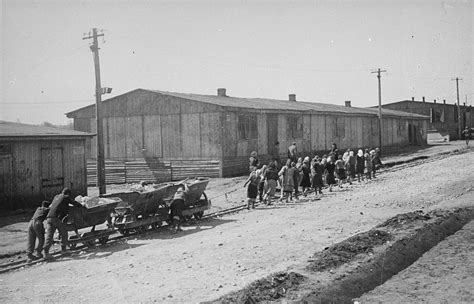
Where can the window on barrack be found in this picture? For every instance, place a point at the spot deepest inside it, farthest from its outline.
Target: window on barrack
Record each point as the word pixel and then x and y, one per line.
pixel 247 126
pixel 294 126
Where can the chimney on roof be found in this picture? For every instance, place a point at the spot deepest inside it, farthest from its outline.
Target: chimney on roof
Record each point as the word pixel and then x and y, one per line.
pixel 435 101
pixel 292 97
pixel 413 99
pixel 221 92
pixel 444 101
pixel 348 103
pixel 423 98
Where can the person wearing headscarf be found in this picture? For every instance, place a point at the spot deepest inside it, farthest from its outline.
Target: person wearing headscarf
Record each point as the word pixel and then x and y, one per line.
pixel 330 170
pixel 351 166
pixel 287 180
pixel 317 171
pixel 360 165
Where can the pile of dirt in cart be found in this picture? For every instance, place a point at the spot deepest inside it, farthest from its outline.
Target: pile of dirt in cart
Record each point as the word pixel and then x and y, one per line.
pixel 348 269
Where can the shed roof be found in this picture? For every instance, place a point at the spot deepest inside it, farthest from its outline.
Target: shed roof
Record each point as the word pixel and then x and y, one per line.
pixel 14 130
pixel 267 104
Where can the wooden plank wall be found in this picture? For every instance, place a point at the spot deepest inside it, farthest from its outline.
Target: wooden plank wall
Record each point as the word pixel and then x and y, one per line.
pixel 27 171
pixel 153 169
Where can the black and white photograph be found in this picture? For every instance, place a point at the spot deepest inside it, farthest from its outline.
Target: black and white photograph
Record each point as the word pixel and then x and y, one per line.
pixel 237 151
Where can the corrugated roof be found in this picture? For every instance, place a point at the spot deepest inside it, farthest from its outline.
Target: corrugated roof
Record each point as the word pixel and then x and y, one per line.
pixel 14 129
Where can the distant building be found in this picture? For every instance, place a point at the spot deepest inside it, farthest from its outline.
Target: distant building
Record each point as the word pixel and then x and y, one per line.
pixel 37 162
pixel 443 116
pixel 169 136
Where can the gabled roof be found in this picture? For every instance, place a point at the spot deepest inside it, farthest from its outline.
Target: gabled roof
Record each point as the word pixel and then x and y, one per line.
pixel 14 130
pixel 265 104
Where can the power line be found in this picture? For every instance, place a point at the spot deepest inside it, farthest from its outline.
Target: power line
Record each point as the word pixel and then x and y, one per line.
pixel 46 102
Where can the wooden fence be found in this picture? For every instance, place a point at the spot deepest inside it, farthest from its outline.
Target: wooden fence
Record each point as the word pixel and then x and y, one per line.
pixel 154 170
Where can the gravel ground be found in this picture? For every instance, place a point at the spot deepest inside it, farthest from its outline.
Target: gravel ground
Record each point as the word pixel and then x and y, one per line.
pixel 220 255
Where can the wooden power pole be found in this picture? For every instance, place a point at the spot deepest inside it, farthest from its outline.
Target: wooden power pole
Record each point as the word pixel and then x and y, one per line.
pixel 379 76
pixel 459 107
pixel 98 100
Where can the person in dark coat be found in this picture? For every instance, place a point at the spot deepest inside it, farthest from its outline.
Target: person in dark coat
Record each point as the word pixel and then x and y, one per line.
pixel 306 180
pixel 317 171
pixel 56 219
pixel 330 170
pixel 36 231
pixel 252 190
pixel 177 206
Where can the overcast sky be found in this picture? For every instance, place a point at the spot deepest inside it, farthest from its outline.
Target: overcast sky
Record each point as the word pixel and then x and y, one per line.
pixel 322 51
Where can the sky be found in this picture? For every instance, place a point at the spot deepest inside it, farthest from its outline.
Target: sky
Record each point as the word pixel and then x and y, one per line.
pixel 322 51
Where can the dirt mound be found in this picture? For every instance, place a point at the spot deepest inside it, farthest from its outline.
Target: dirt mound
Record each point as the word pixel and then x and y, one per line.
pixel 405 218
pixel 270 288
pixel 346 250
pixel 410 235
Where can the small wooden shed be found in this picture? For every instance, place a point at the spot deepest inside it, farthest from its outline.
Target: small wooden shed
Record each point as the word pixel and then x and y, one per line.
pixel 168 136
pixel 36 162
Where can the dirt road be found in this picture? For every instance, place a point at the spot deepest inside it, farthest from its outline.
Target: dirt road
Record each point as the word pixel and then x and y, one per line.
pixel 221 255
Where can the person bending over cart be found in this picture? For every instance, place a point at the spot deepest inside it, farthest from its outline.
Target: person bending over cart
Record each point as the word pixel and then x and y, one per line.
pixel 36 231
pixel 56 218
pixel 177 207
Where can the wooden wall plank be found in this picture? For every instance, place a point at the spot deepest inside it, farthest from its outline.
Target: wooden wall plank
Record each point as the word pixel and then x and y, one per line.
pixel 134 137
pixel 229 140
pixel 171 136
pixel 152 136
pixel 262 134
pixel 211 134
pixel 307 143
pixel 191 134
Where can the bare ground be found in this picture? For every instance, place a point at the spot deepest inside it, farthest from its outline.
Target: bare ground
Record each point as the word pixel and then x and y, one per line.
pixel 222 255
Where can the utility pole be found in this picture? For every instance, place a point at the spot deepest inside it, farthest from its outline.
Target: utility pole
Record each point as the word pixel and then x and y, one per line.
pixel 379 76
pixel 98 100
pixel 459 107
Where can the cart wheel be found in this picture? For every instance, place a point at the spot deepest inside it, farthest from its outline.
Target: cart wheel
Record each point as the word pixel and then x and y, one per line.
pixel 157 225
pixel 103 240
pixel 141 229
pixel 90 243
pixel 198 215
pixel 124 232
pixel 72 246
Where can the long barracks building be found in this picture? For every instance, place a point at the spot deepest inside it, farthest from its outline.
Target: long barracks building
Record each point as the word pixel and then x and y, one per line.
pixel 163 136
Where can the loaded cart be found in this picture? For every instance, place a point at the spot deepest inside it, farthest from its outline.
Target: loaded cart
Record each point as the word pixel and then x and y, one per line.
pixel 196 201
pixel 98 211
pixel 150 207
